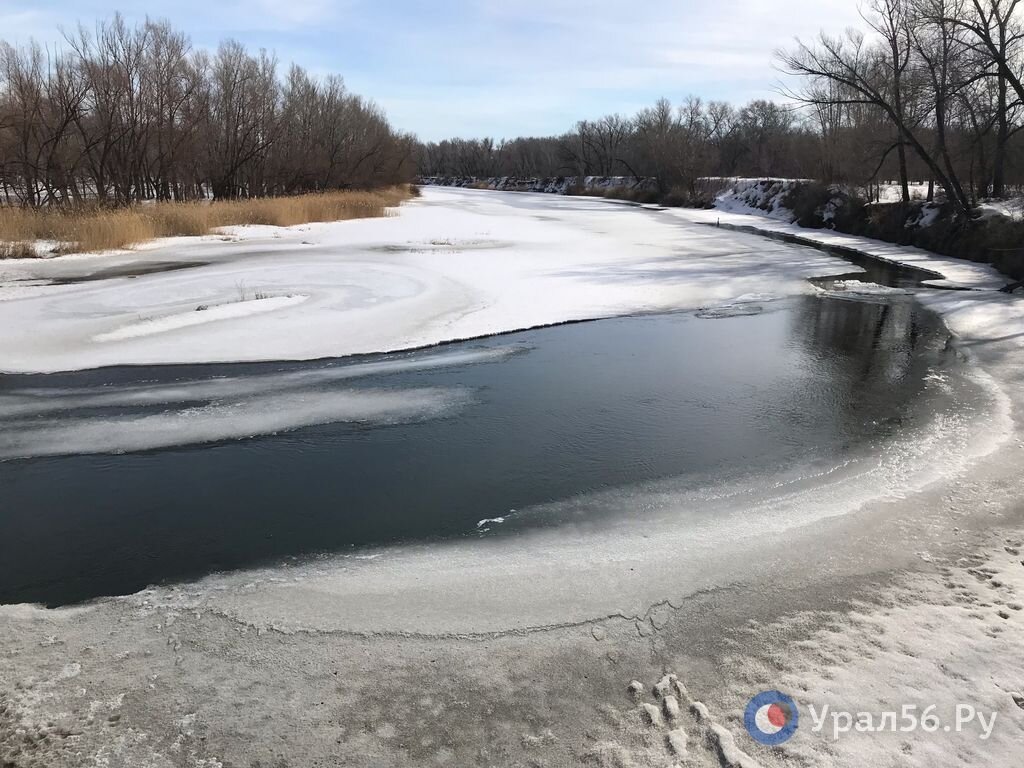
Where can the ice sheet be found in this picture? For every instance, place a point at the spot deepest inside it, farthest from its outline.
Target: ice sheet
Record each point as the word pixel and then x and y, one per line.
pixel 456 264
pixel 47 421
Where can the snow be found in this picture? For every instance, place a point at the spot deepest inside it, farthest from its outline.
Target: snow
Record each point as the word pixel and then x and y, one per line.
pixel 456 264
pixel 944 639
pixel 928 215
pixel 1012 208
pixel 758 196
pixel 955 273
pixel 199 316
pixel 893 193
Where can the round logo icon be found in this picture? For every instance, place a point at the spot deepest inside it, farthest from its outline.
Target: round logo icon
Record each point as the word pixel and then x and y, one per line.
pixel 771 718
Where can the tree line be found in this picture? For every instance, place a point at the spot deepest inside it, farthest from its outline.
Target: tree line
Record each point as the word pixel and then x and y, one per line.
pixel 122 114
pixel 943 78
pixel 928 90
pixel 673 145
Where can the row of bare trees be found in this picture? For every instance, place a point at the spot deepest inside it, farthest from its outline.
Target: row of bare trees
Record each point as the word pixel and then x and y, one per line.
pixel 928 90
pixel 941 78
pixel 121 114
pixel 674 145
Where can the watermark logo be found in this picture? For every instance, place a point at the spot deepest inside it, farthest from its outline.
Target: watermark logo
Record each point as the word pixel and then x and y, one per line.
pixel 771 718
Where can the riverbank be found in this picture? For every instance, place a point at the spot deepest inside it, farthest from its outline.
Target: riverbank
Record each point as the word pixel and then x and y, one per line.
pixel 27 233
pixel 522 650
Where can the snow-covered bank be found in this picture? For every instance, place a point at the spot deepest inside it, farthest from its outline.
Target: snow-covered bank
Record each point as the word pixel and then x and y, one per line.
pixel 456 264
pixel 560 185
pixel 956 273
pixel 992 237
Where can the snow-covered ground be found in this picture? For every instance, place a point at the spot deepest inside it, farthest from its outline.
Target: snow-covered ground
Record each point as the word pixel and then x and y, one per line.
pixel 955 273
pixel 454 265
pixel 893 193
pixel 865 587
pixel 1012 208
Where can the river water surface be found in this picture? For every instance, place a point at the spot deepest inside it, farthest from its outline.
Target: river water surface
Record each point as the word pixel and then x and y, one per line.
pixel 119 478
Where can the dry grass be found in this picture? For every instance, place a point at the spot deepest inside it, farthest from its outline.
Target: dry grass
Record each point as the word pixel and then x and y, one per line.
pixel 17 250
pixel 99 229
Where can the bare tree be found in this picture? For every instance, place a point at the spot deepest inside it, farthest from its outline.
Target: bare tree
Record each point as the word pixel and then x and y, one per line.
pixel 124 113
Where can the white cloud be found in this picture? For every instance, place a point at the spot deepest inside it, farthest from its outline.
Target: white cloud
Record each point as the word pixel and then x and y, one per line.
pixel 467 67
pixel 523 67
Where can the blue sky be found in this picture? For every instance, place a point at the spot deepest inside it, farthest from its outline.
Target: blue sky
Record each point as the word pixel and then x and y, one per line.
pixel 477 67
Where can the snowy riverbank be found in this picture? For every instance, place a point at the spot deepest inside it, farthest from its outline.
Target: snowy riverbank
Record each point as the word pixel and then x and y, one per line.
pixel 875 585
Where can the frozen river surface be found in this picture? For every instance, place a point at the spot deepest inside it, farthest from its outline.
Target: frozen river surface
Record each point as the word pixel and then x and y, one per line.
pixel 123 477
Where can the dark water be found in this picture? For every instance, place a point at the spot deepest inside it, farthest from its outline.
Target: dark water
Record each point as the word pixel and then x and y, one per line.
pixel 585 407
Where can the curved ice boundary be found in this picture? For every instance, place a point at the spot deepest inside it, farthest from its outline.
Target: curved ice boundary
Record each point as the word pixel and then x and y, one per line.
pixel 617 552
pixel 45 421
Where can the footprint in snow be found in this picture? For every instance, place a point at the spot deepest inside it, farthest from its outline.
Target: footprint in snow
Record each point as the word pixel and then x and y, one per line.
pixel 688 730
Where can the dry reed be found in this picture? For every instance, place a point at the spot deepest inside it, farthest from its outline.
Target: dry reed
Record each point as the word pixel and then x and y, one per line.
pixel 100 229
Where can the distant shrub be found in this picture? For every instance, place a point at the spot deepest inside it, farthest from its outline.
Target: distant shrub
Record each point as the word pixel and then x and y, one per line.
pixel 684 197
pixel 631 194
pixel 998 241
pixel 622 193
pixel 888 221
pixel 807 202
pixel 818 206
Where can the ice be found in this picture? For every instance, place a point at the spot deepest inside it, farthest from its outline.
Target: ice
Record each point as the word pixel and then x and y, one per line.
pixel 872 289
pixel 456 264
pixel 39 400
pixel 200 315
pixel 856 290
pixel 59 421
pixel 953 273
pixel 745 305
pixel 224 421
pixel 674 541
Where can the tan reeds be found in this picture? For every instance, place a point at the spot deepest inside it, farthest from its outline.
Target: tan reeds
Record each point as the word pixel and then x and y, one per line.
pixel 99 229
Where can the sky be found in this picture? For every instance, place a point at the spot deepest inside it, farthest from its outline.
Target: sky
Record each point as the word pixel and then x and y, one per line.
pixel 500 68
